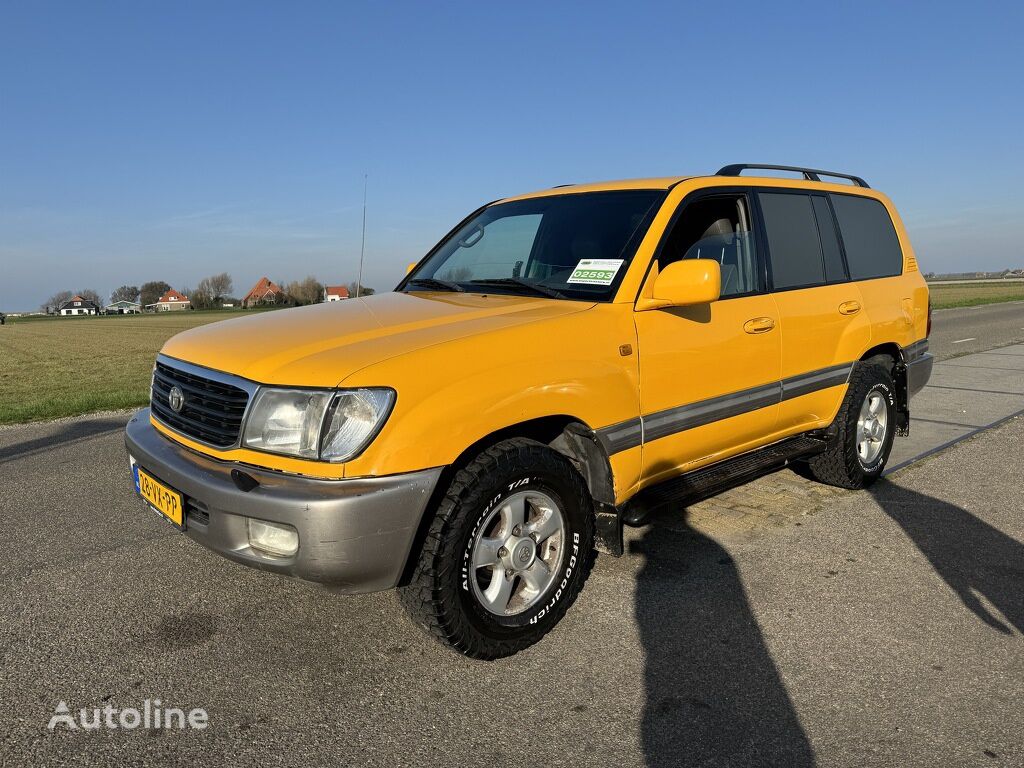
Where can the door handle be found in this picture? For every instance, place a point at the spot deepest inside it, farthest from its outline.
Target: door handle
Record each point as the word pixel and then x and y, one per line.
pixel 849 308
pixel 759 325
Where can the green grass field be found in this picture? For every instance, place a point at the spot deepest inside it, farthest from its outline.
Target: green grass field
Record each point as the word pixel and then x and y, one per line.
pixel 52 367
pixel 967 295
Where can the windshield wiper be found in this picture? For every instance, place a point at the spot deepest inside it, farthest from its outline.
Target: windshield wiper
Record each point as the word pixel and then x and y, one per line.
pixel 509 282
pixel 441 285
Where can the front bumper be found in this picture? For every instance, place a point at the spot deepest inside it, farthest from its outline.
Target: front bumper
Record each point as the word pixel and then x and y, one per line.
pixel 354 535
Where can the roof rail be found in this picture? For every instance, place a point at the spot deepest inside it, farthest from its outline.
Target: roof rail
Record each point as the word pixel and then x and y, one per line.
pixel 810 174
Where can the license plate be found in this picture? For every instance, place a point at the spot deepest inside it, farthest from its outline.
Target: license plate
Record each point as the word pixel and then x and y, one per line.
pixel 165 500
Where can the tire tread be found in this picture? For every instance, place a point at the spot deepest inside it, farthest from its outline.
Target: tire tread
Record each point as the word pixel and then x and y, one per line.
pixel 838 464
pixel 436 609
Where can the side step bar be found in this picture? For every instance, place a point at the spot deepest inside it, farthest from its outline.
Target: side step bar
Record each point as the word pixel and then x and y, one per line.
pixel 708 481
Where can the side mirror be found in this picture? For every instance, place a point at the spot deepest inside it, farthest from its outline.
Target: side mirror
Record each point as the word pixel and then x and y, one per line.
pixel 685 283
pixel 410 268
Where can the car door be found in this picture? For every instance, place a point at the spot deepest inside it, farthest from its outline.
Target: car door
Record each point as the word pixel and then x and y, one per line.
pixel 824 327
pixel 709 373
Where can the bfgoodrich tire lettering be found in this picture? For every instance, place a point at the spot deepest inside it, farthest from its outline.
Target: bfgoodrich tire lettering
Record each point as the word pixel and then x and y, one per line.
pixel 842 464
pixel 441 595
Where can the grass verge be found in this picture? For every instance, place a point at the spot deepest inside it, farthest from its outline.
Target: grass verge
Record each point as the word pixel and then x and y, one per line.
pixel 56 367
pixel 950 296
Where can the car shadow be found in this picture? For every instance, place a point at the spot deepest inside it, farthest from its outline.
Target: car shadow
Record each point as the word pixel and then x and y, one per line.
pixel 713 693
pixel 978 561
pixel 69 434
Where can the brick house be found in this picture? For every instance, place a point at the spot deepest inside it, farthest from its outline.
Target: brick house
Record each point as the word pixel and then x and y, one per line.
pixel 264 292
pixel 171 301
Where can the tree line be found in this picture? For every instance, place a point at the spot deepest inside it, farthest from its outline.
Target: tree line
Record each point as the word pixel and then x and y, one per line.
pixel 209 293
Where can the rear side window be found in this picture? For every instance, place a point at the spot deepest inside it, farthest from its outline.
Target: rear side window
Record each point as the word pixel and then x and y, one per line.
pixel 793 243
pixel 872 248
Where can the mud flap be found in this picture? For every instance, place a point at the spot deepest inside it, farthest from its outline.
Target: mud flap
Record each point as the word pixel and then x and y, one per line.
pixel 607 529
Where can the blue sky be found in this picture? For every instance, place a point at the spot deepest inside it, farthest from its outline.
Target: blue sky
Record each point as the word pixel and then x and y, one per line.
pixel 147 140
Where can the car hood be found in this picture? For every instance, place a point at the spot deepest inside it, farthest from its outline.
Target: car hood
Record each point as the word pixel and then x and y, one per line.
pixel 321 345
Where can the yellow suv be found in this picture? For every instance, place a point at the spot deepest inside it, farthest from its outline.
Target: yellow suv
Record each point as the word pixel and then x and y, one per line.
pixel 560 363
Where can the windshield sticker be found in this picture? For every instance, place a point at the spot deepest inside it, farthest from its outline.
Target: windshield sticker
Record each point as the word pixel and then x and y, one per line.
pixel 595 271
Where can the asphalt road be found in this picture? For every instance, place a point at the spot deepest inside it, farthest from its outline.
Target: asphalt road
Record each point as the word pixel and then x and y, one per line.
pixel 957 332
pixel 880 628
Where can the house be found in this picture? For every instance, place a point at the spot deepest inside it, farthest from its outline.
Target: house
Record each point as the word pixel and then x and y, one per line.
pixel 123 307
pixel 76 305
pixel 335 292
pixel 264 292
pixel 171 301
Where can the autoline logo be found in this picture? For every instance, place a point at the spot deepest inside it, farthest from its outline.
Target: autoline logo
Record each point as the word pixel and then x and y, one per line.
pixel 151 715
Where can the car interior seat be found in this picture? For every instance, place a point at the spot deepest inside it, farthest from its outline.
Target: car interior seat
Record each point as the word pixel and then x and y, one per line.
pixel 720 242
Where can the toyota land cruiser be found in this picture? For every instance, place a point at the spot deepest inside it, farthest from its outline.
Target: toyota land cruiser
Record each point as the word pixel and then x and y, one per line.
pixel 557 365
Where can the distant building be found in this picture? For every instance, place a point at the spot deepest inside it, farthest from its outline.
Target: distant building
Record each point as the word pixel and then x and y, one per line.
pixel 76 305
pixel 335 292
pixel 123 308
pixel 171 301
pixel 264 292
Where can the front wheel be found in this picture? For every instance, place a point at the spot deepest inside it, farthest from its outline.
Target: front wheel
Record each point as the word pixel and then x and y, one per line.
pixel 507 553
pixel 864 431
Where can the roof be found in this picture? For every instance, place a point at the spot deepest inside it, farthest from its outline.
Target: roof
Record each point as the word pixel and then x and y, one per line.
pixel 262 288
pixel 336 290
pixel 661 182
pixel 720 178
pixel 172 297
pixel 122 302
pixel 79 299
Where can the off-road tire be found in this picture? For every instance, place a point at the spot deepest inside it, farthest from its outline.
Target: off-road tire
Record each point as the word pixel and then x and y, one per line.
pixel 437 596
pixel 840 464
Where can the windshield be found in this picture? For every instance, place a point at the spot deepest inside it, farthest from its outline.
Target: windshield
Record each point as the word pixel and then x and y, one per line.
pixel 573 246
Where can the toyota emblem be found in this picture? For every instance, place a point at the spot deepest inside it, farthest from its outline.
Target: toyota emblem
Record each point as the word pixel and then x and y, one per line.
pixel 176 399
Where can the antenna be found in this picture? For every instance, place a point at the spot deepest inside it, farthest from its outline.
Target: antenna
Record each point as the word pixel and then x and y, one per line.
pixel 362 246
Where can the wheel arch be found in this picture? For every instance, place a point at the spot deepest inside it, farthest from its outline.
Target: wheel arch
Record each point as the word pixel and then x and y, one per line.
pixel 569 436
pixel 890 354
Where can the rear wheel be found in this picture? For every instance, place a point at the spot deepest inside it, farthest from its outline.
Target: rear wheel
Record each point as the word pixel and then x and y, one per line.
pixel 864 431
pixel 507 553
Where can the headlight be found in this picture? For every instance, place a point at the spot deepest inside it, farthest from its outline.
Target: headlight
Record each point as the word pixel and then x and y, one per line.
pixel 355 418
pixel 314 424
pixel 287 421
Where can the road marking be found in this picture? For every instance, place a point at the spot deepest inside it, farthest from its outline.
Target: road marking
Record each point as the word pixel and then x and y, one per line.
pixel 961 341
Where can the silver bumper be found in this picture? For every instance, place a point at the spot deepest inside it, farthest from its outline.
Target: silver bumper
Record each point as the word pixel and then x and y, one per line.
pixel 355 535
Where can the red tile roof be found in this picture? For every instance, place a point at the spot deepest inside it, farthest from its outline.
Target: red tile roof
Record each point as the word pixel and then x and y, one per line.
pixel 261 289
pixel 178 296
pixel 336 290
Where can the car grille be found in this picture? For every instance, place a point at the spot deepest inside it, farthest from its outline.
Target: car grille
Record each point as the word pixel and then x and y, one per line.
pixel 212 412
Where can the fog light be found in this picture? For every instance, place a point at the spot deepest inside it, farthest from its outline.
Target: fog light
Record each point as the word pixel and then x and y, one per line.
pixel 274 539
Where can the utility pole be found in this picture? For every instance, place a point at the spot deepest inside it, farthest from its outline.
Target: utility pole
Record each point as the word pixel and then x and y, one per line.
pixel 362 247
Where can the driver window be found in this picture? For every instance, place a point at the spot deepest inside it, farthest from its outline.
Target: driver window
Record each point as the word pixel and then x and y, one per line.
pixel 716 228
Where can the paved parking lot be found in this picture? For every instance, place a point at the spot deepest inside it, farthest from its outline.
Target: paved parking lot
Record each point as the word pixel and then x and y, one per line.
pixel 780 624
